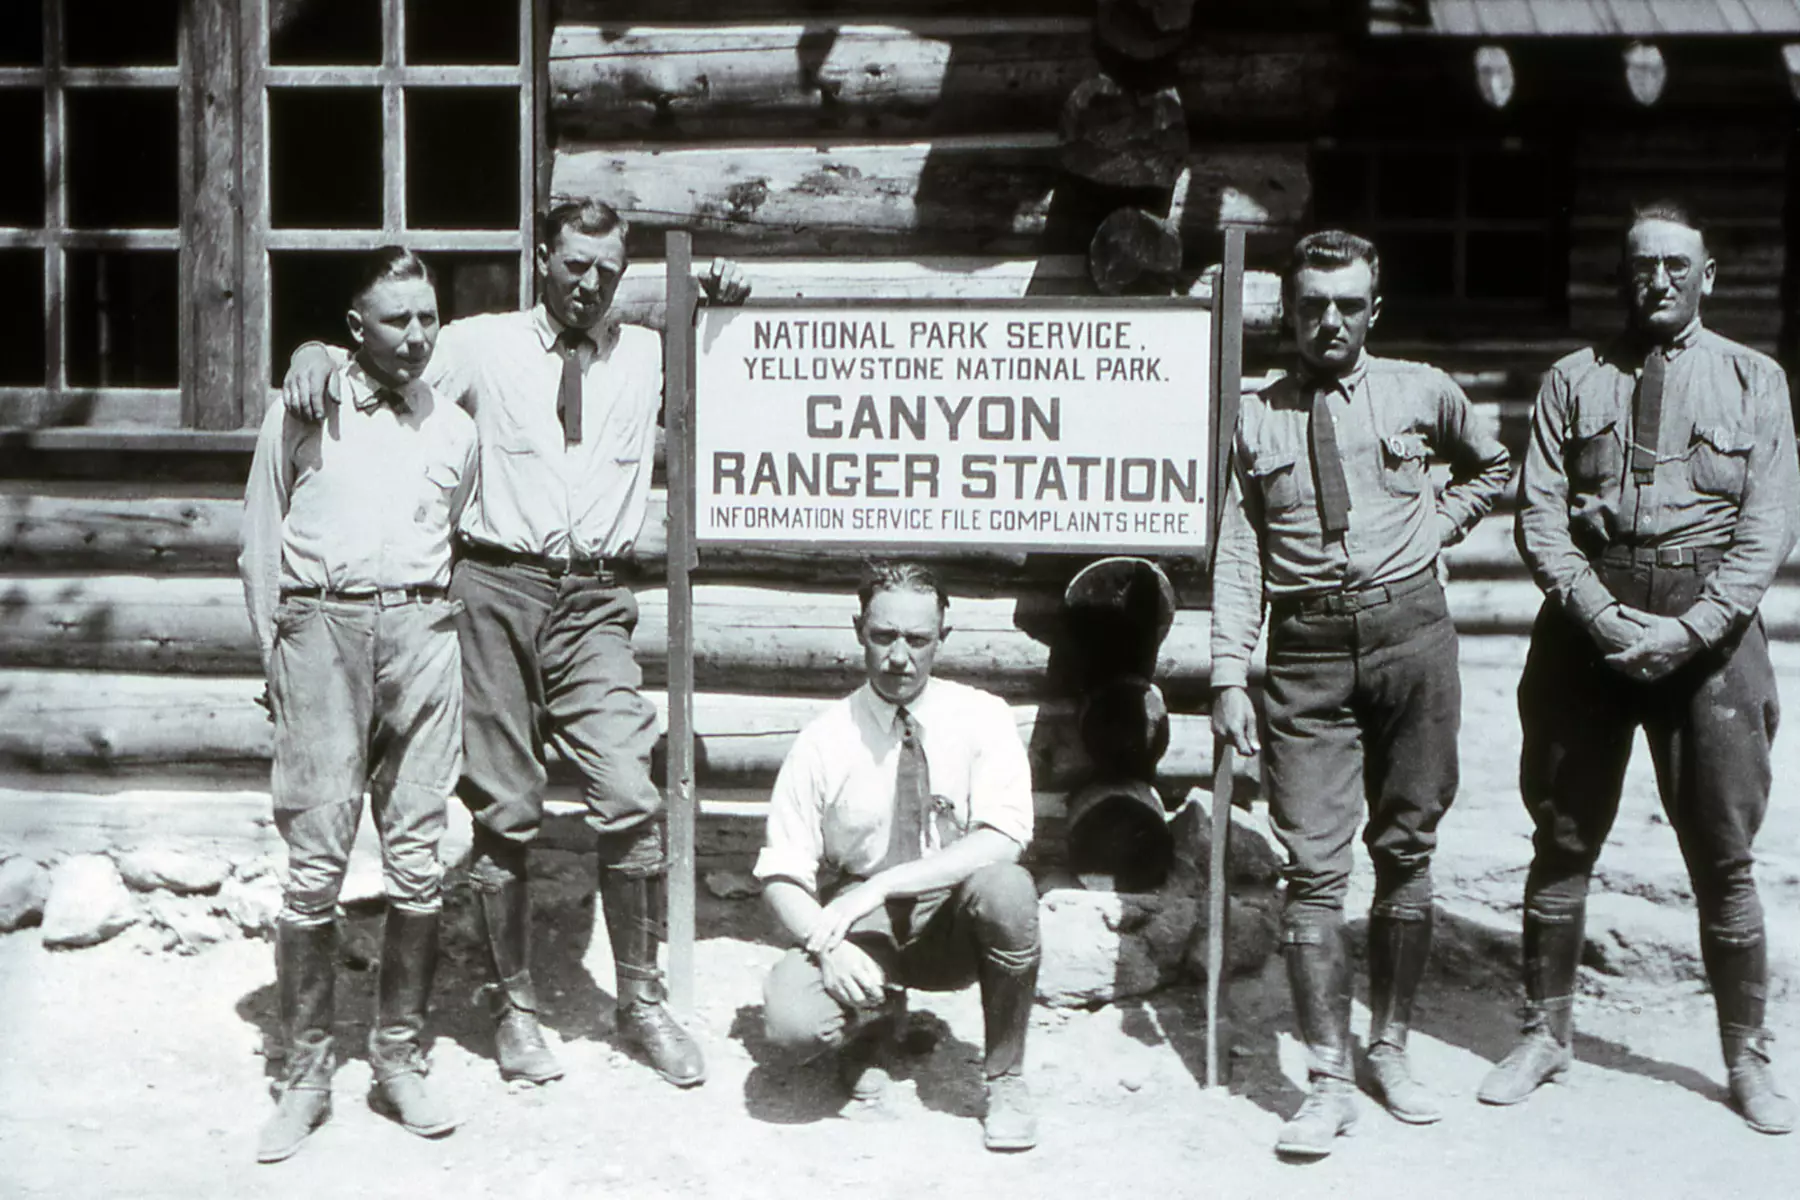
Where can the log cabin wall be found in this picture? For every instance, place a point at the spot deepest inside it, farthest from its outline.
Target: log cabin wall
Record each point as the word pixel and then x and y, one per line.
pixel 875 148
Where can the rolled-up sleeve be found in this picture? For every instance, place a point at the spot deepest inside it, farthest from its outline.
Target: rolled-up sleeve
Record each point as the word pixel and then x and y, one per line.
pixel 1237 582
pixel 1767 519
pixel 1000 780
pixel 794 841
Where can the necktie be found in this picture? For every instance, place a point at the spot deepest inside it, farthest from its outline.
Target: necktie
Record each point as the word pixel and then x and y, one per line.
pixel 568 393
pixel 1647 416
pixel 912 794
pixel 1328 467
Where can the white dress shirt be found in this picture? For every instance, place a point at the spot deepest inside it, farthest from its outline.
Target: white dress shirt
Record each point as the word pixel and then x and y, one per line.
pixel 833 802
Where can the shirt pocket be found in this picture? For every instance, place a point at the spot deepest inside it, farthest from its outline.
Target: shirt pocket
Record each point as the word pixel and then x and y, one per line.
pixel 1277 476
pixel 1403 458
pixel 1719 460
pixel 1595 454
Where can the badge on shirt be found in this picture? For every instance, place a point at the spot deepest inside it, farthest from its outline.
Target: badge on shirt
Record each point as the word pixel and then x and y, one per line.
pixel 946 827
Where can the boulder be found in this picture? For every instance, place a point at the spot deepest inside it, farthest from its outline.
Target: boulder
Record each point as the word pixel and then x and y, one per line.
pixel 190 921
pixel 88 902
pixel 1635 937
pixel 184 872
pixel 24 885
pixel 1252 930
pixel 1093 948
pixel 1251 854
pixel 732 885
pixel 252 903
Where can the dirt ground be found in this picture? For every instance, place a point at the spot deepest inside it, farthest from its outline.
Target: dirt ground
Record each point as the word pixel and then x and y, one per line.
pixel 133 1074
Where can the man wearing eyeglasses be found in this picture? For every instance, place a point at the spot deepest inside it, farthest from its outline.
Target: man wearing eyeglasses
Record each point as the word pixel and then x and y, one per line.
pixel 1660 494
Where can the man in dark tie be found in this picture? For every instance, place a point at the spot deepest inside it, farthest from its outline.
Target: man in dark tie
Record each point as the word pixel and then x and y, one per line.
pixel 1660 495
pixel 894 835
pixel 1332 520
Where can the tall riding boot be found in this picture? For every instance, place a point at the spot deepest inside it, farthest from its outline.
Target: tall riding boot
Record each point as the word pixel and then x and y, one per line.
pixel 409 952
pixel 1318 967
pixel 1543 1053
pixel 634 908
pixel 305 977
pixel 1398 950
pixel 505 911
pixel 1739 974
pixel 1008 990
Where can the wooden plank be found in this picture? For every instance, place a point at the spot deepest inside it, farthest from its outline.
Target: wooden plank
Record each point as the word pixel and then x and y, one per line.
pixel 678 407
pixel 211 245
pixel 112 408
pixel 911 78
pixel 1210 14
pixel 952 196
pixel 76 721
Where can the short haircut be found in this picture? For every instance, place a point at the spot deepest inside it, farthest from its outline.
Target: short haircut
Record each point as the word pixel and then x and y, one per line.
pixel 883 575
pixel 388 263
pixel 1672 211
pixel 583 214
pixel 1330 250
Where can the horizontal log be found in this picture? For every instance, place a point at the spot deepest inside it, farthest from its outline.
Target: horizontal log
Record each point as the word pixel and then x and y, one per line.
pixel 59 721
pixel 909 78
pixel 964 195
pixel 1209 14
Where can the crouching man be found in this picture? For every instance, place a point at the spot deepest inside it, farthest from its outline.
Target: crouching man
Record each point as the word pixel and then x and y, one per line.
pixel 894 836
pixel 346 562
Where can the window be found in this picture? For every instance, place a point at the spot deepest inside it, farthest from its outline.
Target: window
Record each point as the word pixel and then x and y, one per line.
pixel 385 121
pixel 187 182
pixel 1461 228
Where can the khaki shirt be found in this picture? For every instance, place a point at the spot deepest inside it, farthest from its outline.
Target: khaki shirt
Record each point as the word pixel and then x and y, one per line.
pixel 1726 475
pixel 1390 417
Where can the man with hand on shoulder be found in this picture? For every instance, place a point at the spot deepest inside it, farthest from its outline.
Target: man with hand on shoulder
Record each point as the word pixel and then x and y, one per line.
pixel 894 835
pixel 346 567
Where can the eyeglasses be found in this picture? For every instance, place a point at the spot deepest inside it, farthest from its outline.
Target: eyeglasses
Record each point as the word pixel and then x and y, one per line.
pixel 1643 269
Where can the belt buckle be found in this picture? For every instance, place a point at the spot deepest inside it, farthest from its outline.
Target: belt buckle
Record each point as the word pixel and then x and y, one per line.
pixel 392 597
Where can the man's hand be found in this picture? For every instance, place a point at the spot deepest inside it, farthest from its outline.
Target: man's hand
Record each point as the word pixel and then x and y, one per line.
pixel 836 918
pixel 264 702
pixel 303 390
pixel 1234 719
pixel 724 283
pixel 851 977
pixel 1662 646
pixel 1619 627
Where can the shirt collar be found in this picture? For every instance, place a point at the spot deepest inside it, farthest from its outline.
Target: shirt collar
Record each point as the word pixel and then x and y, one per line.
pixel 549 329
pixel 887 713
pixel 1633 346
pixel 1347 382
pixel 351 382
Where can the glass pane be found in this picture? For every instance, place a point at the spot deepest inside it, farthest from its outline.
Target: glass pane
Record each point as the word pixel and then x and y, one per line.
pixel 462 158
pixel 22 333
pixel 475 283
pixel 462 31
pixel 123 309
pixel 123 153
pixel 1515 184
pixel 1340 187
pixel 22 33
pixel 120 33
pixel 1416 265
pixel 1416 183
pixel 325 32
pixel 22 150
pixel 325 158
pixel 1508 266
pixel 309 293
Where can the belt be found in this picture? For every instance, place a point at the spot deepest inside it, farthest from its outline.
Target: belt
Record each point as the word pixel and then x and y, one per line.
pixel 380 598
pixel 598 567
pixel 1350 600
pixel 1662 556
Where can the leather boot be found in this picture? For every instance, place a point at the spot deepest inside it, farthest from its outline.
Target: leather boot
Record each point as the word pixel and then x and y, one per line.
pixel 1543 1053
pixel 1398 950
pixel 1319 976
pixel 1739 976
pixel 505 911
pixel 868 1052
pixel 634 907
pixel 409 952
pixel 1008 990
pixel 306 978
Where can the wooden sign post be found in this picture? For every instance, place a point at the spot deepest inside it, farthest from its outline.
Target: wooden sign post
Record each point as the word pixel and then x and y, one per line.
pixel 1227 381
pixel 678 418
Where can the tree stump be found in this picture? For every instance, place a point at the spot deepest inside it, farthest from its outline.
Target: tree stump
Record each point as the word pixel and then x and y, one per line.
pixel 1133 247
pixel 1118 138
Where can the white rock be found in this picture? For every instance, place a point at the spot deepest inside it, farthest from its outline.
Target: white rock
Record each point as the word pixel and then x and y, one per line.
pixel 1632 936
pixel 252 903
pixel 88 902
pixel 190 919
pixel 23 887
pixel 1093 948
pixel 164 867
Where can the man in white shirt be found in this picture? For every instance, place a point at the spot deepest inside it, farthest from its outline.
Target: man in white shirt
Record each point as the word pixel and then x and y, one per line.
pixel 894 837
pixel 346 565
pixel 566 405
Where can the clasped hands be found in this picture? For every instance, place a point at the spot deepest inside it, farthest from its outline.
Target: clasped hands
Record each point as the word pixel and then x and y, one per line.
pixel 1642 645
pixel 848 974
